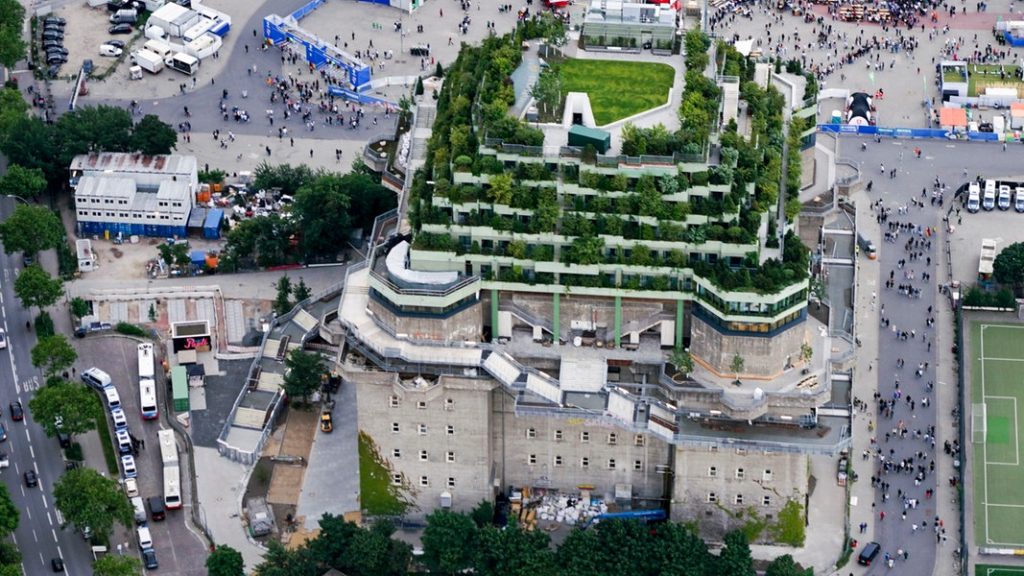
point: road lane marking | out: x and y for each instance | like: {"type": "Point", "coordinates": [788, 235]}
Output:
{"type": "Point", "coordinates": [36, 536]}
{"type": "Point", "coordinates": [32, 451]}
{"type": "Point", "coordinates": [28, 511]}
{"type": "Point", "coordinates": [49, 517]}
{"type": "Point", "coordinates": [54, 532]}
{"type": "Point", "coordinates": [45, 503]}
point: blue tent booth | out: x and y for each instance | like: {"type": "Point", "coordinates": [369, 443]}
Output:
{"type": "Point", "coordinates": [211, 227]}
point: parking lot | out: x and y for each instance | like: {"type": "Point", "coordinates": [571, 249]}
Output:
{"type": "Point", "coordinates": [178, 549]}
{"type": "Point", "coordinates": [85, 31]}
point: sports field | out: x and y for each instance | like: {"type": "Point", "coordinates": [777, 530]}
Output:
{"type": "Point", "coordinates": [996, 419]}
{"type": "Point", "coordinates": [990, 570]}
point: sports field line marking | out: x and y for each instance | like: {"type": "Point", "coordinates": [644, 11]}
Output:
{"type": "Point", "coordinates": [1003, 359]}
{"type": "Point", "coordinates": [991, 571]}
{"type": "Point", "coordinates": [984, 445]}
{"type": "Point", "coordinates": [1016, 434]}
{"type": "Point", "coordinates": [1006, 505]}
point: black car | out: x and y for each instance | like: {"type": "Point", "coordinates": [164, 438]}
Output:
{"type": "Point", "coordinates": [56, 59]}
{"type": "Point", "coordinates": [17, 411]}
{"type": "Point", "coordinates": [149, 559]}
{"type": "Point", "coordinates": [3, 433]}
{"type": "Point", "coordinates": [53, 71]}
{"type": "Point", "coordinates": [54, 20]}
{"type": "Point", "coordinates": [50, 46]}
{"type": "Point", "coordinates": [56, 50]}
{"type": "Point", "coordinates": [868, 554]}
{"type": "Point", "coordinates": [115, 43]}
{"type": "Point", "coordinates": [31, 479]}
{"type": "Point", "coordinates": [57, 564]}
{"type": "Point", "coordinates": [53, 28]}
{"type": "Point", "coordinates": [53, 35]}
{"type": "Point", "coordinates": [120, 29]}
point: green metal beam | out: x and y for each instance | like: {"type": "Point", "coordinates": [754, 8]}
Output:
{"type": "Point", "coordinates": [618, 321]}
{"type": "Point", "coordinates": [494, 314]}
{"type": "Point", "coordinates": [679, 325]}
{"type": "Point", "coordinates": [556, 327]}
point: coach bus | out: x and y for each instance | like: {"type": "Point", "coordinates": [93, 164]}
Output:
{"type": "Point", "coordinates": [172, 487]}
{"type": "Point", "coordinates": [146, 361]}
{"type": "Point", "coordinates": [147, 399]}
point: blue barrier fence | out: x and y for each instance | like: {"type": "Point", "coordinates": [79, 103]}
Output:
{"type": "Point", "coordinates": [902, 132]}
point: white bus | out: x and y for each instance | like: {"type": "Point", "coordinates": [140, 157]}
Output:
{"type": "Point", "coordinates": [147, 399]}
{"type": "Point", "coordinates": [146, 361]}
{"type": "Point", "coordinates": [172, 487]}
{"type": "Point", "coordinates": [168, 448]}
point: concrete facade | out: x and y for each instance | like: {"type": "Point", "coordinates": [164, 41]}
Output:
{"type": "Point", "coordinates": [435, 434]}
{"type": "Point", "coordinates": [711, 486]}
{"type": "Point", "coordinates": [763, 357]}
{"type": "Point", "coordinates": [462, 326]}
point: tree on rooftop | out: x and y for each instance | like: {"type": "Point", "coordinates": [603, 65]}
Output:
{"type": "Point", "coordinates": [500, 190]}
{"type": "Point", "coordinates": [737, 365]}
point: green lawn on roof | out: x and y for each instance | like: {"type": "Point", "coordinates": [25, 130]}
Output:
{"type": "Point", "coordinates": [617, 89]}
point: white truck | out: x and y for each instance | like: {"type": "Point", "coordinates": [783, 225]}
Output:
{"type": "Point", "coordinates": [183, 63]}
{"type": "Point", "coordinates": [148, 61]}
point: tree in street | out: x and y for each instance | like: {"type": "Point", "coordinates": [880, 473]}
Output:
{"type": "Point", "coordinates": [9, 515]}
{"type": "Point", "coordinates": [1008, 267]}
{"type": "Point", "coordinates": [116, 565]}
{"type": "Point", "coordinates": [12, 21]}
{"type": "Point", "coordinates": [153, 136]}
{"type": "Point", "coordinates": [24, 182]}
{"type": "Point", "coordinates": [282, 302]}
{"type": "Point", "coordinates": [30, 229]}
{"type": "Point", "coordinates": [30, 142]}
{"type": "Point", "coordinates": [53, 354]}
{"type": "Point", "coordinates": [87, 498]}
{"type": "Point", "coordinates": [785, 566]}
{"type": "Point", "coordinates": [262, 241]}
{"type": "Point", "coordinates": [13, 109]}
{"type": "Point", "coordinates": [80, 307]}
{"type": "Point", "coordinates": [449, 542]}
{"type": "Point", "coordinates": [35, 287]}
{"type": "Point", "coordinates": [304, 375]}
{"type": "Point", "coordinates": [301, 291]}
{"type": "Point", "coordinates": [225, 561]}
{"type": "Point", "coordinates": [74, 405]}
{"type": "Point", "coordinates": [10, 559]}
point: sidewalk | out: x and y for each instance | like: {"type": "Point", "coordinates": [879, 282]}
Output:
{"type": "Point", "coordinates": [221, 484]}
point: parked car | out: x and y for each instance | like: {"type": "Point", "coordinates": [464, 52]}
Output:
{"type": "Point", "coordinates": [31, 478]}
{"type": "Point", "coordinates": [17, 411]}
{"type": "Point", "coordinates": [3, 339]}
{"type": "Point", "coordinates": [53, 35]}
{"type": "Point", "coordinates": [5, 461]}
{"type": "Point", "coordinates": [128, 463]}
{"type": "Point", "coordinates": [1004, 197]}
{"type": "Point", "coordinates": [973, 197]}
{"type": "Point", "coordinates": [116, 43]}
{"type": "Point", "coordinates": [108, 50]}
{"type": "Point", "coordinates": [57, 50]}
{"type": "Point", "coordinates": [56, 59]}
{"type": "Point", "coordinates": [54, 19]}
{"type": "Point", "coordinates": [131, 487]}
{"type": "Point", "coordinates": [326, 422]}
{"type": "Point", "coordinates": [124, 441]}
{"type": "Point", "coordinates": [120, 29]}
{"type": "Point", "coordinates": [53, 70]}
{"type": "Point", "coordinates": [868, 554]}
{"type": "Point", "coordinates": [120, 420]}
{"type": "Point", "coordinates": [149, 559]}
{"type": "Point", "coordinates": [3, 433]}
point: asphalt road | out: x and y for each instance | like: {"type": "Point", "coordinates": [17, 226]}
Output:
{"type": "Point", "coordinates": [39, 536]}
{"type": "Point", "coordinates": [204, 101]}
{"type": "Point", "coordinates": [947, 161]}
{"type": "Point", "coordinates": [179, 551]}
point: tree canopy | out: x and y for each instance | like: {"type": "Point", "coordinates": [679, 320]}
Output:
{"type": "Point", "coordinates": [74, 405]}
{"type": "Point", "coordinates": [30, 229]}
{"type": "Point", "coordinates": [9, 515]}
{"type": "Point", "coordinates": [153, 136]}
{"type": "Point", "coordinates": [53, 354]}
{"type": "Point", "coordinates": [1008, 267]}
{"type": "Point", "coordinates": [35, 287]}
{"type": "Point", "coordinates": [87, 498]}
{"type": "Point", "coordinates": [225, 561]}
{"type": "Point", "coordinates": [12, 20]}
{"type": "Point", "coordinates": [305, 373]}
{"type": "Point", "coordinates": [23, 182]}
{"type": "Point", "coordinates": [117, 565]}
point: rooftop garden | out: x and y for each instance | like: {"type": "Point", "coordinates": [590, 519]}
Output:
{"type": "Point", "coordinates": [617, 89]}
{"type": "Point", "coordinates": [475, 200]}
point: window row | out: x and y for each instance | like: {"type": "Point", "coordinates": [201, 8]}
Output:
{"type": "Point", "coordinates": [741, 474]}
{"type": "Point", "coordinates": [738, 500]}
{"type": "Point", "coordinates": [424, 456]}
{"type": "Point", "coordinates": [610, 464]}
{"type": "Point", "coordinates": [421, 429]}
{"type": "Point", "coordinates": [612, 438]}
{"type": "Point", "coordinates": [396, 480]}
{"type": "Point", "coordinates": [396, 402]}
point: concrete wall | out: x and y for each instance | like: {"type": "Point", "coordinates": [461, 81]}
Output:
{"type": "Point", "coordinates": [463, 326]}
{"type": "Point", "coordinates": [528, 450]}
{"type": "Point", "coordinates": [777, 476]}
{"type": "Point", "coordinates": [593, 313]}
{"type": "Point", "coordinates": [763, 357]}
{"type": "Point", "coordinates": [461, 403]}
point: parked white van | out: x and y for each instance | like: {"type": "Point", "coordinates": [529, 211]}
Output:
{"type": "Point", "coordinates": [1004, 197]}
{"type": "Point", "coordinates": [988, 200]}
{"type": "Point", "coordinates": [1018, 199]}
{"type": "Point", "coordinates": [973, 197]}
{"type": "Point", "coordinates": [113, 398]}
{"type": "Point", "coordinates": [96, 378]}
